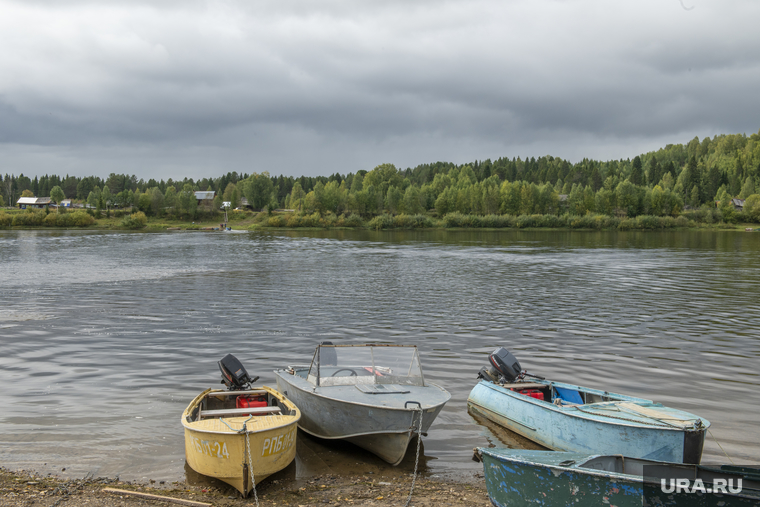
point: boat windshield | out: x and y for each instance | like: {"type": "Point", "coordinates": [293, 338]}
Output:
{"type": "Point", "coordinates": [343, 365]}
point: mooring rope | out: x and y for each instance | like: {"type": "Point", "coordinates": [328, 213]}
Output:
{"type": "Point", "coordinates": [250, 464]}
{"type": "Point", "coordinates": [417, 458]}
{"type": "Point", "coordinates": [721, 447]}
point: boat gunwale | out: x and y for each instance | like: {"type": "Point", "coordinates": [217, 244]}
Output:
{"type": "Point", "coordinates": [571, 468]}
{"type": "Point", "coordinates": [578, 468]}
{"type": "Point", "coordinates": [360, 404]}
{"type": "Point", "coordinates": [385, 432]}
{"type": "Point", "coordinates": [600, 418]}
{"type": "Point", "coordinates": [187, 425]}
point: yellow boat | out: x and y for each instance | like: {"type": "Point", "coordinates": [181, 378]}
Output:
{"type": "Point", "coordinates": [240, 446]}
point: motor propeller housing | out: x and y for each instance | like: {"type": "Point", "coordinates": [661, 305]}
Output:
{"type": "Point", "coordinates": [503, 366]}
{"type": "Point", "coordinates": [234, 375]}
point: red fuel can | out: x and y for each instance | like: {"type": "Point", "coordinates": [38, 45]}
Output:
{"type": "Point", "coordinates": [533, 393]}
{"type": "Point", "coordinates": [250, 401]}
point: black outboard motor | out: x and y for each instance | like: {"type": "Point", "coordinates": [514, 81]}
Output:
{"type": "Point", "coordinates": [234, 375]}
{"type": "Point", "coordinates": [505, 367]}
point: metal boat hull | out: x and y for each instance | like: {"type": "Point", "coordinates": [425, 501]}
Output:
{"type": "Point", "coordinates": [215, 450]}
{"type": "Point", "coordinates": [378, 423]}
{"type": "Point", "coordinates": [577, 430]}
{"type": "Point", "coordinates": [517, 478]}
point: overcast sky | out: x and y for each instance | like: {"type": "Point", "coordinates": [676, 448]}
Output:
{"type": "Point", "coordinates": [198, 88]}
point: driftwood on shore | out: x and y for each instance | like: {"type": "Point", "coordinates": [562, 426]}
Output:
{"type": "Point", "coordinates": [158, 498]}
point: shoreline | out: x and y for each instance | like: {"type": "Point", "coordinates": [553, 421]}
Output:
{"type": "Point", "coordinates": [28, 488]}
{"type": "Point", "coordinates": [287, 221]}
{"type": "Point", "coordinates": [184, 227]}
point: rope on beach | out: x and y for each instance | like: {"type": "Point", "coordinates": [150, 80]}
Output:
{"type": "Point", "coordinates": [417, 457]}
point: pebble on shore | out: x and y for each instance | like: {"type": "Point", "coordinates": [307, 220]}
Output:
{"type": "Point", "coordinates": [27, 488]}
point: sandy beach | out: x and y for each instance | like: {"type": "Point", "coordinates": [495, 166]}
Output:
{"type": "Point", "coordinates": [20, 488]}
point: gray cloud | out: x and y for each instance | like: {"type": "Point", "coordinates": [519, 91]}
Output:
{"type": "Point", "coordinates": [199, 88]}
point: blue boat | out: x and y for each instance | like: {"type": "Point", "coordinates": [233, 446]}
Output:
{"type": "Point", "coordinates": [566, 417]}
{"type": "Point", "coordinates": [552, 479]}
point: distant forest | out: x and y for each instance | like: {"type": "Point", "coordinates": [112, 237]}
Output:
{"type": "Point", "coordinates": [662, 183]}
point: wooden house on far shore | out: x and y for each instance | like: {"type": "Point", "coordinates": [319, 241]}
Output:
{"type": "Point", "coordinates": [33, 202]}
{"type": "Point", "coordinates": [205, 198]}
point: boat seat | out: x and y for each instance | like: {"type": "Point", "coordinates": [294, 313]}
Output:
{"type": "Point", "coordinates": [519, 386]}
{"type": "Point", "coordinates": [222, 394]}
{"type": "Point", "coordinates": [240, 412]}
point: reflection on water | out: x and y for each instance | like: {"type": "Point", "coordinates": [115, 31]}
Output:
{"type": "Point", "coordinates": [107, 336]}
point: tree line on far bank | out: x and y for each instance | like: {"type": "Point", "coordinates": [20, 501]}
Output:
{"type": "Point", "coordinates": [692, 176]}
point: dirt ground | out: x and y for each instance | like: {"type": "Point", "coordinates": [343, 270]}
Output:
{"type": "Point", "coordinates": [29, 489]}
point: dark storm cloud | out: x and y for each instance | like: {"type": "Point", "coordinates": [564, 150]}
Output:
{"type": "Point", "coordinates": [319, 87]}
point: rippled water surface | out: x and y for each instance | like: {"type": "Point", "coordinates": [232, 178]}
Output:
{"type": "Point", "coordinates": [107, 336]}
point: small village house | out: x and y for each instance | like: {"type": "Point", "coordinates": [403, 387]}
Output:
{"type": "Point", "coordinates": [205, 198]}
{"type": "Point", "coordinates": [33, 202]}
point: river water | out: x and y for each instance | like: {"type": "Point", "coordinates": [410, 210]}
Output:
{"type": "Point", "coordinates": [105, 336]}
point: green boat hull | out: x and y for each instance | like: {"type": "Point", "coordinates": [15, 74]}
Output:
{"type": "Point", "coordinates": [549, 479]}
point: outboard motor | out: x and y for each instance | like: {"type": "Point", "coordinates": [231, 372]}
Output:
{"type": "Point", "coordinates": [234, 375]}
{"type": "Point", "coordinates": [504, 367]}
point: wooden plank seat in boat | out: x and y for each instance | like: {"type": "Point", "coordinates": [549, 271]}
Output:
{"type": "Point", "coordinates": [659, 415]}
{"type": "Point", "coordinates": [240, 412]}
{"type": "Point", "coordinates": [519, 386]}
{"type": "Point", "coordinates": [222, 394]}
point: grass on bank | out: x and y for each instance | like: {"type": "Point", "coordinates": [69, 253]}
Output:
{"type": "Point", "coordinates": [123, 220]}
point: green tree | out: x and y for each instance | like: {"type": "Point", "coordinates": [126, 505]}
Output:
{"type": "Point", "coordinates": [393, 199]}
{"type": "Point", "coordinates": [752, 208]}
{"type": "Point", "coordinates": [157, 201]}
{"type": "Point", "coordinates": [726, 206]}
{"type": "Point", "coordinates": [588, 199]}
{"type": "Point", "coordinates": [144, 203]}
{"type": "Point", "coordinates": [27, 193]}
{"type": "Point", "coordinates": [446, 202]}
{"type": "Point", "coordinates": [84, 187]}
{"type": "Point", "coordinates": [170, 197]}
{"type": "Point", "coordinates": [627, 198]}
{"type": "Point", "coordinates": [510, 198]}
{"type": "Point", "coordinates": [748, 188]}
{"type": "Point", "coordinates": [694, 196]}
{"type": "Point", "coordinates": [366, 201]}
{"type": "Point", "coordinates": [186, 201]}
{"type": "Point", "coordinates": [710, 183]}
{"type": "Point", "coordinates": [575, 200]}
{"type": "Point", "coordinates": [491, 199]}
{"type": "Point", "coordinates": [693, 174]}
{"type": "Point", "coordinates": [383, 177]}
{"type": "Point", "coordinates": [57, 195]}
{"type": "Point", "coordinates": [653, 171]}
{"type": "Point", "coordinates": [105, 196]}
{"type": "Point", "coordinates": [528, 198]}
{"type": "Point", "coordinates": [296, 196]}
{"type": "Point", "coordinates": [655, 202]}
{"type": "Point", "coordinates": [232, 195]}
{"type": "Point", "coordinates": [411, 204]}
{"type": "Point", "coordinates": [603, 202]}
{"type": "Point", "coordinates": [357, 183]}
{"type": "Point", "coordinates": [258, 190]}
{"type": "Point", "coordinates": [93, 198]}
{"type": "Point", "coordinates": [637, 175]}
